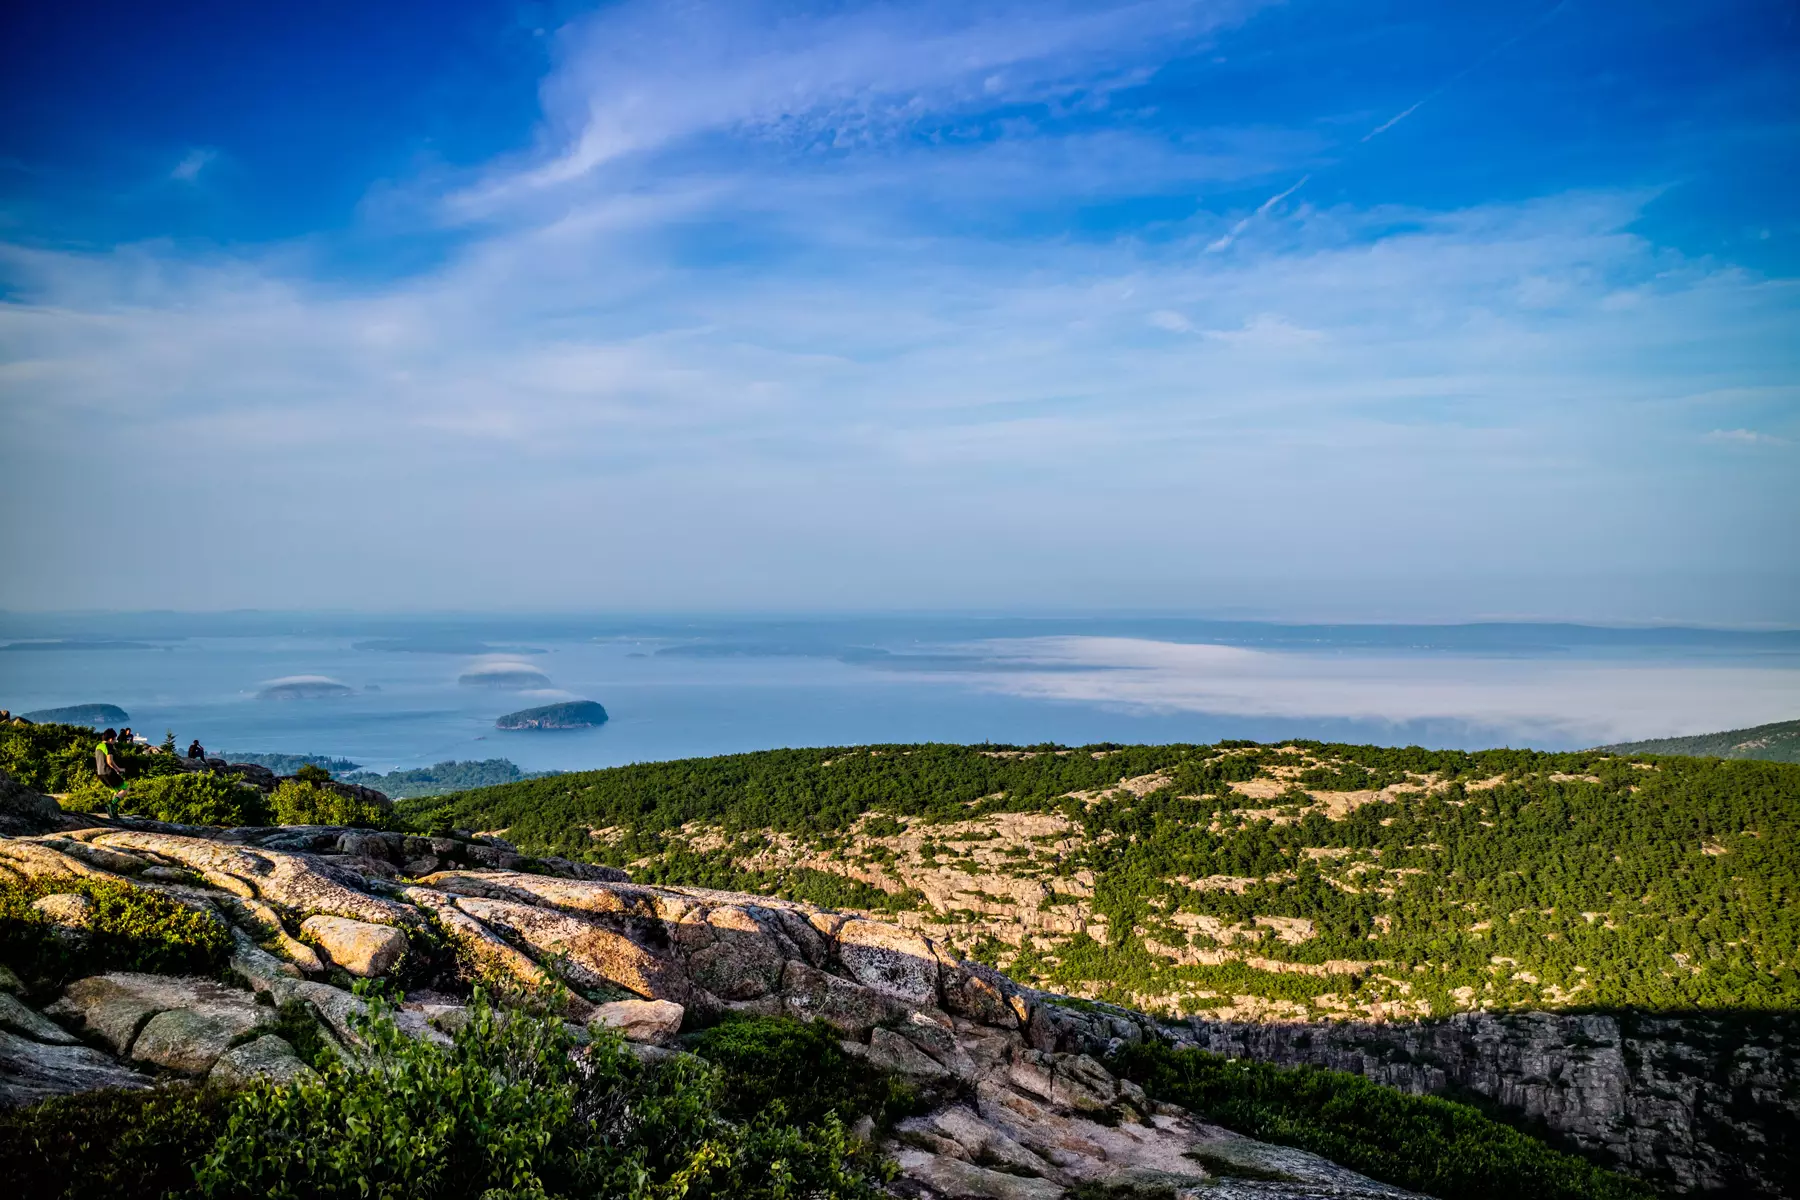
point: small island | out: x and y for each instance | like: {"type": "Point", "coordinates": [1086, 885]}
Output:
{"type": "Point", "coordinates": [82, 714]}
{"type": "Point", "coordinates": [572, 714]}
{"type": "Point", "coordinates": [304, 687]}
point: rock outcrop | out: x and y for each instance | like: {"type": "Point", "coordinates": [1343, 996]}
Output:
{"type": "Point", "coordinates": [1700, 1102]}
{"type": "Point", "coordinates": [1034, 1112]}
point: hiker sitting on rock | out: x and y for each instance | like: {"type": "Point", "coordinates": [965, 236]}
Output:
{"type": "Point", "coordinates": [196, 750]}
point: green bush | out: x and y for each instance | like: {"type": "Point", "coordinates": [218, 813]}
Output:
{"type": "Point", "coordinates": [55, 758]}
{"type": "Point", "coordinates": [513, 1110]}
{"type": "Point", "coordinates": [198, 798]}
{"type": "Point", "coordinates": [121, 1145]}
{"type": "Point", "coordinates": [308, 802]}
{"type": "Point", "coordinates": [1419, 1142]}
{"type": "Point", "coordinates": [798, 1067]}
{"type": "Point", "coordinates": [130, 929]}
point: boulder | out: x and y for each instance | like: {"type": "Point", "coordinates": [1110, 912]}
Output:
{"type": "Point", "coordinates": [947, 1176]}
{"type": "Point", "coordinates": [892, 1052]}
{"type": "Point", "coordinates": [594, 955]}
{"type": "Point", "coordinates": [65, 909]}
{"type": "Point", "coordinates": [31, 1071]}
{"type": "Point", "coordinates": [15, 1017]}
{"type": "Point", "coordinates": [890, 960]}
{"type": "Point", "coordinates": [267, 1057]}
{"type": "Point", "coordinates": [191, 1040]}
{"type": "Point", "coordinates": [655, 1022]}
{"type": "Point", "coordinates": [852, 1009]}
{"type": "Point", "coordinates": [113, 1009]}
{"type": "Point", "coordinates": [358, 947]}
{"type": "Point", "coordinates": [24, 811]}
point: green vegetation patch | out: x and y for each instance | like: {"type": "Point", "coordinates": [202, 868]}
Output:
{"type": "Point", "coordinates": [1497, 879]}
{"type": "Point", "coordinates": [1417, 1142]}
{"type": "Point", "coordinates": [799, 1067]}
{"type": "Point", "coordinates": [117, 1144]}
{"type": "Point", "coordinates": [511, 1108]}
{"type": "Point", "coordinates": [310, 800]}
{"type": "Point", "coordinates": [195, 798]}
{"type": "Point", "coordinates": [128, 929]}
{"type": "Point", "coordinates": [53, 758]}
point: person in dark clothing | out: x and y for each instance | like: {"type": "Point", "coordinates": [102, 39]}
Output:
{"type": "Point", "coordinates": [106, 764]}
{"type": "Point", "coordinates": [196, 750]}
{"type": "Point", "coordinates": [126, 737]}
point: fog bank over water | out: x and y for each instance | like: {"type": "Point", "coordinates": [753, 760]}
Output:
{"type": "Point", "coordinates": [676, 687]}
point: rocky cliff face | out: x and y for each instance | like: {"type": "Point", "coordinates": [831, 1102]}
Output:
{"type": "Point", "coordinates": [1699, 1103]}
{"type": "Point", "coordinates": [1036, 1113]}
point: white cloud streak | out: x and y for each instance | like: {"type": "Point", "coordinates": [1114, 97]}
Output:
{"type": "Point", "coordinates": [1533, 700]}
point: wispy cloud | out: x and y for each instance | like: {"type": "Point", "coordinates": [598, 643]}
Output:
{"type": "Point", "coordinates": [1745, 437]}
{"type": "Point", "coordinates": [1533, 700]}
{"type": "Point", "coordinates": [774, 299]}
{"type": "Point", "coordinates": [192, 164]}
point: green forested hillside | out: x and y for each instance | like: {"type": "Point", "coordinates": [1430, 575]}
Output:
{"type": "Point", "coordinates": [1779, 742]}
{"type": "Point", "coordinates": [1304, 879]}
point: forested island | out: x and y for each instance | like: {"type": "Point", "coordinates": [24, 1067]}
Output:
{"type": "Point", "coordinates": [573, 714]}
{"type": "Point", "coordinates": [82, 714]}
{"type": "Point", "coordinates": [442, 778]}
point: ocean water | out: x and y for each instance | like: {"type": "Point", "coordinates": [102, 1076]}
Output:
{"type": "Point", "coordinates": [677, 687]}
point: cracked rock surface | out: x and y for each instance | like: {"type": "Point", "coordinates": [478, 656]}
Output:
{"type": "Point", "coordinates": [1037, 1112]}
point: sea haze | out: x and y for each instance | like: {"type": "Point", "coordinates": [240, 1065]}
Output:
{"type": "Point", "coordinates": [393, 692]}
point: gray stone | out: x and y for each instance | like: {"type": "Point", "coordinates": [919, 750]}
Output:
{"type": "Point", "coordinates": [947, 1176]}
{"type": "Point", "coordinates": [652, 1021]}
{"type": "Point", "coordinates": [891, 1052]}
{"type": "Point", "coordinates": [24, 811]}
{"type": "Point", "coordinates": [889, 959]}
{"type": "Point", "coordinates": [267, 1057]}
{"type": "Point", "coordinates": [31, 1071]}
{"type": "Point", "coordinates": [16, 1017]}
{"type": "Point", "coordinates": [191, 1040]}
{"type": "Point", "coordinates": [114, 1008]}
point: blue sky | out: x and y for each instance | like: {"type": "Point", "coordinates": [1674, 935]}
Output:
{"type": "Point", "coordinates": [1380, 311]}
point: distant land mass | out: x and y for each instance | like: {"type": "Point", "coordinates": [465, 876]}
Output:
{"type": "Point", "coordinates": [82, 714]}
{"type": "Point", "coordinates": [444, 644]}
{"type": "Point", "coordinates": [504, 675]}
{"type": "Point", "coordinates": [305, 687]}
{"type": "Point", "coordinates": [572, 714]}
{"type": "Point", "coordinates": [78, 644]}
{"type": "Point", "coordinates": [287, 764]}
{"type": "Point", "coordinates": [443, 778]}
{"type": "Point", "coordinates": [1779, 742]}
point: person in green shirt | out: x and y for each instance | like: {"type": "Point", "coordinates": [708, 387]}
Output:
{"type": "Point", "coordinates": [110, 770]}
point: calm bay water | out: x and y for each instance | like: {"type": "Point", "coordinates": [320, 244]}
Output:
{"type": "Point", "coordinates": [689, 687]}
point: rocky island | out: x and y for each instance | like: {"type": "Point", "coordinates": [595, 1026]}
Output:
{"type": "Point", "coordinates": [572, 714]}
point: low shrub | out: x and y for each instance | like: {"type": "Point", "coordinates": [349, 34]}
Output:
{"type": "Point", "coordinates": [1419, 1142]}
{"type": "Point", "coordinates": [121, 1145]}
{"type": "Point", "coordinates": [309, 802]}
{"type": "Point", "coordinates": [513, 1109]}
{"type": "Point", "coordinates": [129, 929]}
{"type": "Point", "coordinates": [798, 1068]}
{"type": "Point", "coordinates": [197, 798]}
